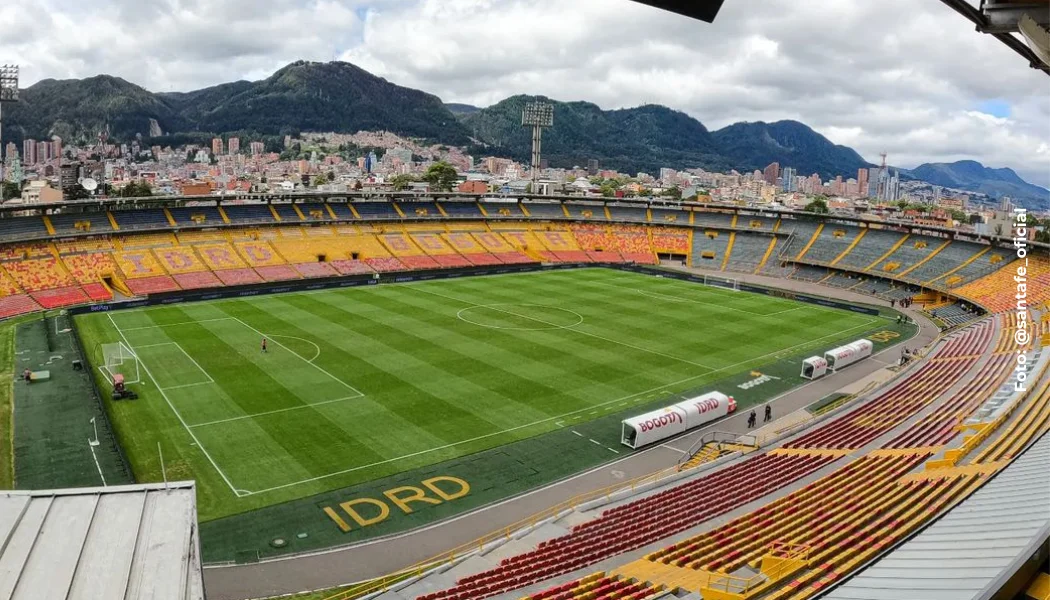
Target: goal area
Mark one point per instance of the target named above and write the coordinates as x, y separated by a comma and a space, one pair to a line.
119, 359
723, 282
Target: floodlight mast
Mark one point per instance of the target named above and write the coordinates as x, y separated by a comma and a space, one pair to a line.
538, 115
8, 93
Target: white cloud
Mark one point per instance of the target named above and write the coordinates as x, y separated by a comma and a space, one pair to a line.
896, 75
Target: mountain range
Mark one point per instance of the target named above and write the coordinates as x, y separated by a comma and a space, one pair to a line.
340, 97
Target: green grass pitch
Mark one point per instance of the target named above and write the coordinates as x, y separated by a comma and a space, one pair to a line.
365, 382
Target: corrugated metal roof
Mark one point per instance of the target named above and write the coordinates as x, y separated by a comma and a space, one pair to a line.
123, 542
969, 552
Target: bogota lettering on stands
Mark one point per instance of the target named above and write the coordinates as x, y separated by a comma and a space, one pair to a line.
402, 497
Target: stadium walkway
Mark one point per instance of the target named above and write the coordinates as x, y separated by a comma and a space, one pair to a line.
381, 556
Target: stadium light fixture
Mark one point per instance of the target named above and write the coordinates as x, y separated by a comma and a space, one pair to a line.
538, 115
8, 93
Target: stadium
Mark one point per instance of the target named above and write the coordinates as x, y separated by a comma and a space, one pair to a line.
429, 396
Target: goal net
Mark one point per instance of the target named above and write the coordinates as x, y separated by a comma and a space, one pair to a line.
722, 282
118, 358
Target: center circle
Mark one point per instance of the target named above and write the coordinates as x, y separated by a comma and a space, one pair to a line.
520, 317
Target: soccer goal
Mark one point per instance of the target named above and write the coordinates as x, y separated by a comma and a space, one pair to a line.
722, 282
119, 359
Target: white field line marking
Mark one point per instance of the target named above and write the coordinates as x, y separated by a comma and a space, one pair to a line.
569, 328
187, 385
173, 324
594, 441
97, 466
673, 448
635, 396
273, 412
145, 368
261, 334
183, 350
292, 337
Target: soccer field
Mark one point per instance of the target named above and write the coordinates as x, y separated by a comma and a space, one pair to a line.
365, 382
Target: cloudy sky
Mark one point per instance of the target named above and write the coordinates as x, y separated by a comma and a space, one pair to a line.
908, 77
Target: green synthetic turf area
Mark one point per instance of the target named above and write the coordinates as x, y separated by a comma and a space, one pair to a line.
368, 382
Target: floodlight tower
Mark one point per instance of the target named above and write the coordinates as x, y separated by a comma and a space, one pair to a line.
538, 115
8, 93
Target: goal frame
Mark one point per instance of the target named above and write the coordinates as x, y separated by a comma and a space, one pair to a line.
728, 283
115, 355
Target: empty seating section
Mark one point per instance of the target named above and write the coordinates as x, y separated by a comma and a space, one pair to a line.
181, 259
596, 585
706, 219
138, 263
985, 264
286, 212
220, 256
197, 280
196, 215
238, 276
873, 286
19, 304
400, 245
315, 211
200, 236
809, 273
842, 279
60, 297
316, 269
352, 267
83, 245
748, 250
593, 237
633, 243
143, 286
22, 251
258, 254
341, 210
544, 210
376, 210
385, 265
586, 211
39, 274
248, 213
149, 240
277, 272
627, 213
80, 223
709, 247
503, 209
996, 291
8, 287
147, 218
908, 396
953, 255
757, 223
874, 244
952, 315
913, 251
833, 240
669, 216
641, 523
90, 268
801, 233
671, 240
465, 210
421, 209
21, 228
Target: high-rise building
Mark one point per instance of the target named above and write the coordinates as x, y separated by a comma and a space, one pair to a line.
862, 182
233, 146
836, 186
771, 172
69, 175
592, 167
29, 152
56, 148
788, 180
257, 148
216, 146
873, 182
10, 151
43, 152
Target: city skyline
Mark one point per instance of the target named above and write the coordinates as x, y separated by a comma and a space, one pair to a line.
876, 83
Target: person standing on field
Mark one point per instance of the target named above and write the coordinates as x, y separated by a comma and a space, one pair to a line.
264, 345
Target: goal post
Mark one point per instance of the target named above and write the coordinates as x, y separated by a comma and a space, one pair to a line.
723, 282
118, 358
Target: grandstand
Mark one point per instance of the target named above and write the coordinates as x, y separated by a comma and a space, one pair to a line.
742, 512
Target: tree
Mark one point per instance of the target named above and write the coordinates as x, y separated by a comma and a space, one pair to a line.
357, 184
608, 190
674, 193
1043, 236
441, 176
528, 188
818, 206
958, 215
136, 189
75, 192
400, 182
10, 190
320, 179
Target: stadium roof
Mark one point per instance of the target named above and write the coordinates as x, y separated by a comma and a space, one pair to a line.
970, 552
705, 10
130, 542
1001, 18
